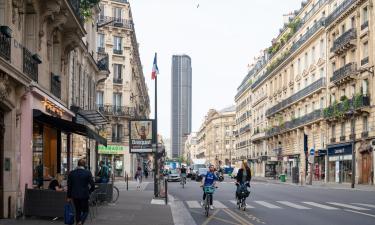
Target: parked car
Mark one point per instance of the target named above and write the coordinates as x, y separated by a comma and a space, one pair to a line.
173, 175
201, 173
194, 170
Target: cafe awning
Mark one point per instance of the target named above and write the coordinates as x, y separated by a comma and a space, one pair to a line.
68, 126
92, 116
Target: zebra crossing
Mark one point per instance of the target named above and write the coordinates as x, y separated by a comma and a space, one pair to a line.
279, 205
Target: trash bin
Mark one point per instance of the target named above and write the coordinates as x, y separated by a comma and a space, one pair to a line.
282, 177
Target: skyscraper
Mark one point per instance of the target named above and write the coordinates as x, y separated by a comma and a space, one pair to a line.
181, 102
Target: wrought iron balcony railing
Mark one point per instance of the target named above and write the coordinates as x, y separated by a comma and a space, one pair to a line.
344, 72
116, 139
75, 4
364, 61
121, 1
245, 129
30, 64
115, 22
5, 46
114, 110
341, 109
117, 51
344, 41
101, 49
364, 25
117, 80
103, 62
321, 83
339, 11
308, 118
55, 85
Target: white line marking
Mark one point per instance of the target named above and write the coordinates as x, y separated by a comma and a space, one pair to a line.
157, 202
359, 212
247, 205
193, 204
347, 206
293, 205
180, 214
365, 205
219, 205
268, 205
320, 205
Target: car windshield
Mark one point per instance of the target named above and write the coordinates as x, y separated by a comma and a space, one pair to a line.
198, 166
202, 171
173, 171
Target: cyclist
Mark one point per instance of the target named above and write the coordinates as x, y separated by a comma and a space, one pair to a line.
183, 174
209, 180
243, 177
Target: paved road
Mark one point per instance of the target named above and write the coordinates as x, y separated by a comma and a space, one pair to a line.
278, 204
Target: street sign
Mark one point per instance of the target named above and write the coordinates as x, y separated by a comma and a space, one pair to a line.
312, 151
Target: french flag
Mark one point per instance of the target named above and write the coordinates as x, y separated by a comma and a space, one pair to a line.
155, 69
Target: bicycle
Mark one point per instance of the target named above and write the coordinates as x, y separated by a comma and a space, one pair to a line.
209, 190
241, 197
183, 180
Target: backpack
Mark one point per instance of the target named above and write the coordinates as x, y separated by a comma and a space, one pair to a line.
243, 192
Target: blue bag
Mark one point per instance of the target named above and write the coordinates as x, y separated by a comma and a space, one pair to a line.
68, 214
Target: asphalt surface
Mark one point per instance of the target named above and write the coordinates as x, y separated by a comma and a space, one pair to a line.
279, 204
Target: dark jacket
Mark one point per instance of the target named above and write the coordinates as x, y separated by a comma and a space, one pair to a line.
79, 181
240, 174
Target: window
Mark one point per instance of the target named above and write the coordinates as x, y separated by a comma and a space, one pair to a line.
312, 77
306, 82
343, 60
365, 49
321, 48
333, 66
333, 98
322, 102
117, 43
100, 41
333, 131
365, 124
313, 106
117, 99
99, 98
364, 15
117, 71
342, 129
101, 14
306, 59
343, 28
352, 126
365, 87
353, 22
117, 13
352, 90
321, 72
299, 65
313, 55
117, 133
306, 109
298, 86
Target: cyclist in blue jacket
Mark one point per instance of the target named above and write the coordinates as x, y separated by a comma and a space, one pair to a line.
209, 180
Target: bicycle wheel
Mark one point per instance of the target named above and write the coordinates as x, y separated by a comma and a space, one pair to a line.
115, 194
183, 183
243, 204
207, 206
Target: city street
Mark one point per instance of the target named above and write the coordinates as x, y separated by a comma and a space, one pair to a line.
279, 204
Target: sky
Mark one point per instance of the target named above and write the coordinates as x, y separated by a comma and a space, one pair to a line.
221, 36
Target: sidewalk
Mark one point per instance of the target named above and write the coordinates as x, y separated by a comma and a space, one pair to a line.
133, 207
318, 184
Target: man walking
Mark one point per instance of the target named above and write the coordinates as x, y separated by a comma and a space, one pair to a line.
80, 185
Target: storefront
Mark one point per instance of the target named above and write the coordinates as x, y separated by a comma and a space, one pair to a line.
289, 162
319, 164
114, 157
340, 163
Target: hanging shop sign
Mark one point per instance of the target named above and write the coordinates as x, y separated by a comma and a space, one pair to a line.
52, 109
142, 136
112, 149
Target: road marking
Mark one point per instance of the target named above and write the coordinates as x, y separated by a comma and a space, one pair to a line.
210, 217
180, 214
268, 205
347, 206
320, 205
366, 214
247, 205
219, 205
193, 204
366, 205
290, 204
237, 217
157, 202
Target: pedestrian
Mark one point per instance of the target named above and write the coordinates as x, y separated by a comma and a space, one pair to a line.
138, 177
146, 173
80, 185
103, 174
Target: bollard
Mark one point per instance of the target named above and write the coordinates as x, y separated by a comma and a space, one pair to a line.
166, 191
127, 182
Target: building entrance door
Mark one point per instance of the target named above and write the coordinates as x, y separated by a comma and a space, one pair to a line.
2, 131
366, 168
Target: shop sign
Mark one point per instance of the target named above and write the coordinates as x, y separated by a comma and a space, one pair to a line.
340, 150
142, 136
112, 149
52, 109
322, 152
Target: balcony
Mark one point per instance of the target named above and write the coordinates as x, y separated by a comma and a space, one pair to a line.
364, 61
121, 1
103, 62
364, 25
312, 88
340, 110
120, 111
116, 139
342, 138
245, 129
117, 51
30, 64
345, 73
306, 119
101, 49
115, 22
75, 4
5, 42
333, 140
352, 136
339, 11
364, 134
55, 85
344, 42
117, 80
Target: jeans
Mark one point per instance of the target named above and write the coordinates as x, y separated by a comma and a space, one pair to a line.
82, 209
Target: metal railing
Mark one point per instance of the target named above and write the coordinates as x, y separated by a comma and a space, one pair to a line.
115, 110
340, 109
5, 43
344, 39
308, 118
75, 4
55, 85
117, 51
30, 65
103, 62
116, 139
101, 49
117, 80
116, 22
364, 61
364, 25
343, 72
321, 83
245, 129
319, 24
339, 11
121, 1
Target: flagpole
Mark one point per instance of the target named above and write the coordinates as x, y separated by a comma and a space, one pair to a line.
156, 187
